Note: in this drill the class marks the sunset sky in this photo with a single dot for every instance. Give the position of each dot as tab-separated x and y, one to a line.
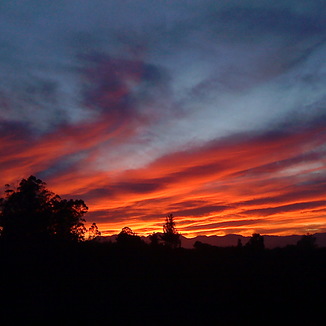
214	111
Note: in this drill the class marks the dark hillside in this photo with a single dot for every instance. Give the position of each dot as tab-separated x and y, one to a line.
111	285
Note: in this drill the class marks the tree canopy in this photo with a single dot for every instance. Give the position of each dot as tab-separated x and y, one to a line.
128	238
256	242
34	212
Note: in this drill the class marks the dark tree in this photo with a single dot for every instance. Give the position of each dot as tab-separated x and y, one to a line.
34	212
93	232
307	242
154	240
256	242
198	245
170	235
127	238
67	222
126	231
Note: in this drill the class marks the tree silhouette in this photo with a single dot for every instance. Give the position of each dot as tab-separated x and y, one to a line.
256	242
34	212
170	235
93	232
126	231
307	242
154	239
127	238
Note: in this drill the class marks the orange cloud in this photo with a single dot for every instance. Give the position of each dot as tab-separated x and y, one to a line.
272	184
210	188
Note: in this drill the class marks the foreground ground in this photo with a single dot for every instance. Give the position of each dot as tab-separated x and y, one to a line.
101	284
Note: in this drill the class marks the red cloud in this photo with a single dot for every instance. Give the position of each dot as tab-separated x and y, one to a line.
255	172
269	184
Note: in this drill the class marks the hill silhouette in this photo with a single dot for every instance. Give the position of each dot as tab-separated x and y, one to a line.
271	241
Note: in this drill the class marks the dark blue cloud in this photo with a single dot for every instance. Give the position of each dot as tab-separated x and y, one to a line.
188	51
114	83
282	20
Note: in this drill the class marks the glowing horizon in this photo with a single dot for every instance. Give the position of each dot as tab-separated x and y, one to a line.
214	112
270	184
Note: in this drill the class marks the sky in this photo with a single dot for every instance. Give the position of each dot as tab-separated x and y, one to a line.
214	111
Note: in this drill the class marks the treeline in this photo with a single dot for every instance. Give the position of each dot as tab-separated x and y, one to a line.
50	276
33	213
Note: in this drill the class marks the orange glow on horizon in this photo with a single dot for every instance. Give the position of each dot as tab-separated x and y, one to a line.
271	186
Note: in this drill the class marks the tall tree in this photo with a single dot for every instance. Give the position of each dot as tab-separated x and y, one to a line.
93	232
32	211
170	235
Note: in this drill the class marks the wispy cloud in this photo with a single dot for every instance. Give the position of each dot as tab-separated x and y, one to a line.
212	111
216	184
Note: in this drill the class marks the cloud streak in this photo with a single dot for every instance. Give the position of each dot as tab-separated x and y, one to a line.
215	112
246	183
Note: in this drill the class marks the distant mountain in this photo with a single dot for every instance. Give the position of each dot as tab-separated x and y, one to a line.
271	241
214	240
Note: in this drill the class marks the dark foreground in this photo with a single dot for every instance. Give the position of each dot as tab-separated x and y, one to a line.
102	284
